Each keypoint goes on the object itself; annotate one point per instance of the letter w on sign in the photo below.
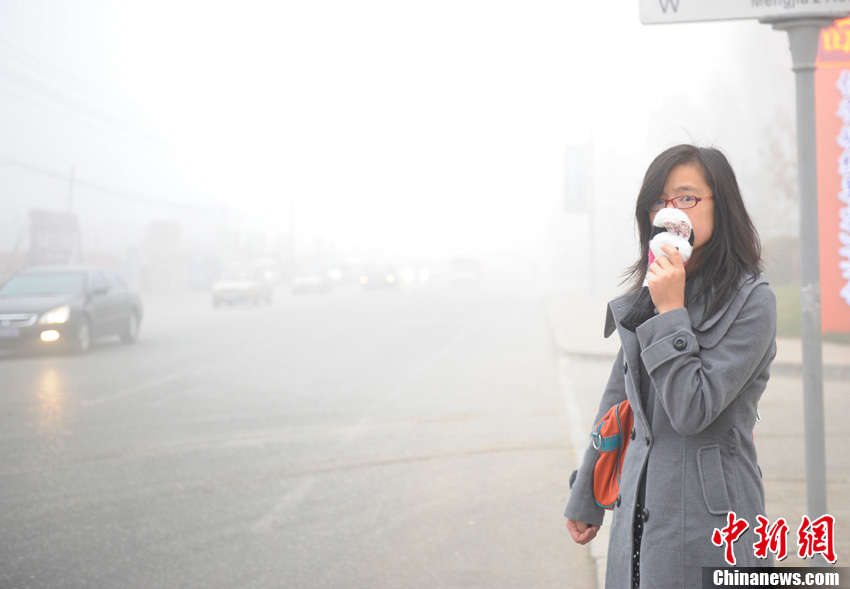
(665, 4)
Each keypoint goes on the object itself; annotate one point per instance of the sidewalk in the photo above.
(577, 323)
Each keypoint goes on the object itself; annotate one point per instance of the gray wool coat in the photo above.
(707, 375)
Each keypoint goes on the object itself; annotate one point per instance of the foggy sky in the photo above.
(412, 127)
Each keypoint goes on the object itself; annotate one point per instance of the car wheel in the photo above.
(130, 333)
(82, 338)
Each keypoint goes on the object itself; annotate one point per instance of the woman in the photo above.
(693, 374)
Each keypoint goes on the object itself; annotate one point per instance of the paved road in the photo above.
(414, 438)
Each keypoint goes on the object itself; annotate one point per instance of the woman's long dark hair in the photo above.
(733, 252)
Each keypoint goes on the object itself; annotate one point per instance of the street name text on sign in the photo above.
(674, 11)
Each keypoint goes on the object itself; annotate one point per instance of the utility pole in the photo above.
(71, 191)
(804, 37)
(292, 236)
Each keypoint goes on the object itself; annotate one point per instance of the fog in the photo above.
(376, 130)
(366, 249)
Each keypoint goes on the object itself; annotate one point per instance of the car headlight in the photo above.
(59, 315)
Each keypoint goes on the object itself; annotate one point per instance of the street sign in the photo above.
(654, 12)
(54, 238)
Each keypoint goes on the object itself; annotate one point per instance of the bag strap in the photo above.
(608, 443)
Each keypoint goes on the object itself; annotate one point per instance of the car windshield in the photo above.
(44, 284)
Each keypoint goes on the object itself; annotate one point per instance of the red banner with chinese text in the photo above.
(832, 113)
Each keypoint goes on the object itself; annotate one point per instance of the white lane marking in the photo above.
(576, 421)
(459, 337)
(141, 388)
(290, 501)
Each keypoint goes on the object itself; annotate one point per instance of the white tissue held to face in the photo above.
(679, 229)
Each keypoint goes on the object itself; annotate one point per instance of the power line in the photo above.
(53, 88)
(49, 92)
(113, 192)
(57, 73)
(99, 115)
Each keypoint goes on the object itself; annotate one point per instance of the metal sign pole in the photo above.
(804, 36)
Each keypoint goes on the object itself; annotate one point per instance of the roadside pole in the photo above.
(71, 190)
(804, 37)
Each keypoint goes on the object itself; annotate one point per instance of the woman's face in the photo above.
(687, 180)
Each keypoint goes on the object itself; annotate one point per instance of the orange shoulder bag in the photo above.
(611, 438)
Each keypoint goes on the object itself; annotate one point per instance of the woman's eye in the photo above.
(686, 198)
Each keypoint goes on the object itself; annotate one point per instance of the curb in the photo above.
(790, 369)
(830, 371)
(577, 336)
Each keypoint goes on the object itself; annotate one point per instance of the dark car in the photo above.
(66, 306)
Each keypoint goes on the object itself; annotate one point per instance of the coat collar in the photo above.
(616, 309)
(620, 306)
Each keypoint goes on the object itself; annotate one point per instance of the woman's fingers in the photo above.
(588, 535)
(663, 264)
(581, 532)
(666, 280)
(675, 257)
(576, 529)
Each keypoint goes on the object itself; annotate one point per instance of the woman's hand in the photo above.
(581, 532)
(666, 280)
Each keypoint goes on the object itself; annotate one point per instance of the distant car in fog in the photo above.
(242, 284)
(311, 282)
(414, 274)
(66, 307)
(379, 277)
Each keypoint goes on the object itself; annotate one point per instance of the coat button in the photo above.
(645, 514)
(625, 368)
(680, 344)
(647, 440)
(618, 501)
(633, 434)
